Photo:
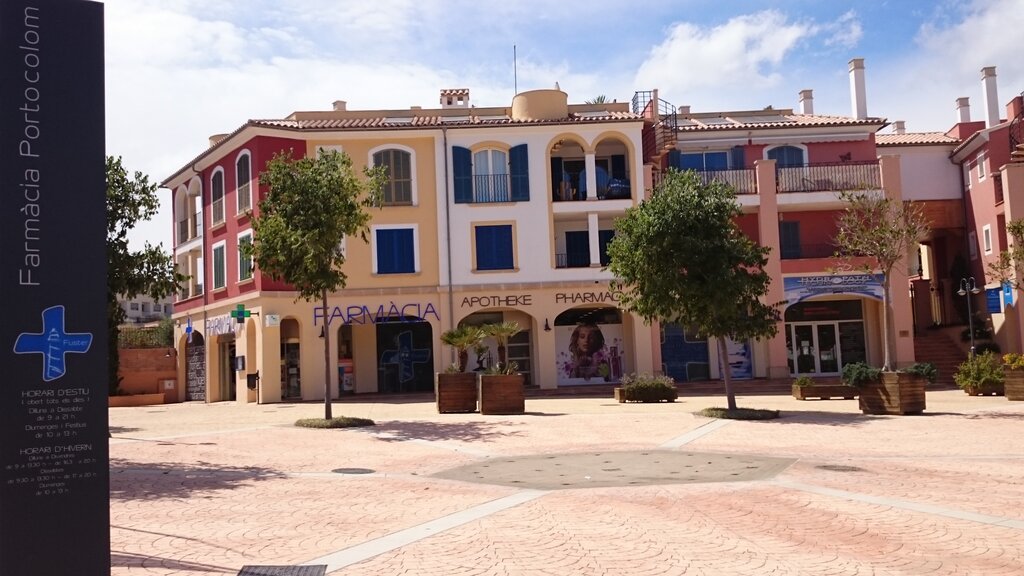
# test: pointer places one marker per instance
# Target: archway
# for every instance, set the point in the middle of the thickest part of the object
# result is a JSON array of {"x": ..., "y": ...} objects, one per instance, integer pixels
[{"x": 195, "y": 367}]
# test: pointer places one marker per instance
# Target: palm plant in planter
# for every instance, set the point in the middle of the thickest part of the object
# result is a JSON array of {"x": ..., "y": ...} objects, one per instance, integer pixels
[
  {"x": 502, "y": 386},
  {"x": 1013, "y": 376},
  {"x": 881, "y": 231},
  {"x": 456, "y": 390}
]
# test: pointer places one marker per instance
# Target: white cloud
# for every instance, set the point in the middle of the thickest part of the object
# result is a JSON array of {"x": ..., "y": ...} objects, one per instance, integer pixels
[{"x": 845, "y": 32}]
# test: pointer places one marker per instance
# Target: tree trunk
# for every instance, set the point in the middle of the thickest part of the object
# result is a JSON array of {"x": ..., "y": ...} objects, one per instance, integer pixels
[
  {"x": 886, "y": 328},
  {"x": 327, "y": 360},
  {"x": 463, "y": 360},
  {"x": 501, "y": 355},
  {"x": 723, "y": 361}
]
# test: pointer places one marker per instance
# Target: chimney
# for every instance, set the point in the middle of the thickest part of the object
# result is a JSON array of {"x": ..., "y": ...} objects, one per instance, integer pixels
[
  {"x": 963, "y": 109},
  {"x": 684, "y": 110},
  {"x": 858, "y": 94},
  {"x": 807, "y": 102},
  {"x": 339, "y": 105},
  {"x": 899, "y": 127},
  {"x": 988, "y": 91},
  {"x": 216, "y": 138},
  {"x": 455, "y": 98}
]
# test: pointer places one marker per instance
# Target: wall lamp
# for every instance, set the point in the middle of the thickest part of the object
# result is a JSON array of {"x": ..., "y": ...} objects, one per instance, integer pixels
[{"x": 547, "y": 327}]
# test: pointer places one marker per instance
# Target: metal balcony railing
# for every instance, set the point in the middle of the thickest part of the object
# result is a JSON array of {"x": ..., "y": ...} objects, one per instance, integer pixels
[
  {"x": 659, "y": 133},
  {"x": 491, "y": 188},
  {"x": 575, "y": 260},
  {"x": 797, "y": 252},
  {"x": 834, "y": 177},
  {"x": 743, "y": 181},
  {"x": 183, "y": 231}
]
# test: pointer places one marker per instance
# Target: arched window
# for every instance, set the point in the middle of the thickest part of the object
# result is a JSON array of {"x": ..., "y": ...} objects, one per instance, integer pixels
[
  {"x": 398, "y": 189},
  {"x": 490, "y": 176},
  {"x": 243, "y": 175},
  {"x": 217, "y": 196},
  {"x": 787, "y": 156}
]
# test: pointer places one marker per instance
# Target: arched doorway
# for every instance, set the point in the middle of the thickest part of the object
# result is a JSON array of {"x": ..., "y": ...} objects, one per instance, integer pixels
[
  {"x": 590, "y": 344},
  {"x": 195, "y": 367},
  {"x": 520, "y": 346},
  {"x": 404, "y": 355}
]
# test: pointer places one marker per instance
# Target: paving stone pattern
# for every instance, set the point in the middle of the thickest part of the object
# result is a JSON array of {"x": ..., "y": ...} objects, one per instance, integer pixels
[{"x": 208, "y": 489}]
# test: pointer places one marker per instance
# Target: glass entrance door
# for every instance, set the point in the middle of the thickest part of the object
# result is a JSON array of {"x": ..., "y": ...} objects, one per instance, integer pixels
[{"x": 812, "y": 348}]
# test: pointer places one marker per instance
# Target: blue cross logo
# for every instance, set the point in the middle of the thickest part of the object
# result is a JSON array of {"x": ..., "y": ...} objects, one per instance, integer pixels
[
  {"x": 405, "y": 356},
  {"x": 188, "y": 330},
  {"x": 53, "y": 343}
]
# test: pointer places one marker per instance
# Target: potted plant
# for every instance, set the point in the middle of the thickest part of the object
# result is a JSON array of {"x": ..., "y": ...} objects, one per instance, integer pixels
[
  {"x": 456, "y": 389},
  {"x": 980, "y": 375},
  {"x": 875, "y": 234},
  {"x": 502, "y": 390},
  {"x": 646, "y": 388},
  {"x": 502, "y": 332},
  {"x": 805, "y": 387},
  {"x": 1013, "y": 376}
]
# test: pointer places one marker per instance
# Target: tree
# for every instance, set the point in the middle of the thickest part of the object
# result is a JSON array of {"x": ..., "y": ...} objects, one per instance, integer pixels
[
  {"x": 599, "y": 99},
  {"x": 1009, "y": 267},
  {"x": 502, "y": 332},
  {"x": 312, "y": 205},
  {"x": 130, "y": 273},
  {"x": 884, "y": 231},
  {"x": 462, "y": 339},
  {"x": 679, "y": 257}
]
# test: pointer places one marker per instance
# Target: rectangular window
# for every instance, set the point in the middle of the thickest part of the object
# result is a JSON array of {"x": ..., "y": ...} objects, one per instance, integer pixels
[
  {"x": 145, "y": 307},
  {"x": 981, "y": 166},
  {"x": 394, "y": 250},
  {"x": 220, "y": 272},
  {"x": 134, "y": 305},
  {"x": 972, "y": 245},
  {"x": 577, "y": 249},
  {"x": 967, "y": 174},
  {"x": 789, "y": 240},
  {"x": 217, "y": 196},
  {"x": 703, "y": 161},
  {"x": 494, "y": 249},
  {"x": 986, "y": 238},
  {"x": 244, "y": 262},
  {"x": 604, "y": 237},
  {"x": 398, "y": 188}
]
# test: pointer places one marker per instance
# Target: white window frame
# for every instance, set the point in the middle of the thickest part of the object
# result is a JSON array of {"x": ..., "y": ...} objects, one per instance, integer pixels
[
  {"x": 213, "y": 203},
  {"x": 972, "y": 244},
  {"x": 412, "y": 167},
  {"x": 986, "y": 238},
  {"x": 967, "y": 174},
  {"x": 238, "y": 249},
  {"x": 222, "y": 245},
  {"x": 239, "y": 194},
  {"x": 415, "y": 244},
  {"x": 764, "y": 153},
  {"x": 981, "y": 166}
]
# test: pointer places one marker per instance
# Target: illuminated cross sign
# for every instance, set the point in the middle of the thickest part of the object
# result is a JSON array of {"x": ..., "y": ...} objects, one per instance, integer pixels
[
  {"x": 188, "y": 330},
  {"x": 240, "y": 313}
]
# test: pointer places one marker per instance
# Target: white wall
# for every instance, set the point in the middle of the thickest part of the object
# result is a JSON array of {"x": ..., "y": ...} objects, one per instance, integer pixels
[{"x": 926, "y": 172}]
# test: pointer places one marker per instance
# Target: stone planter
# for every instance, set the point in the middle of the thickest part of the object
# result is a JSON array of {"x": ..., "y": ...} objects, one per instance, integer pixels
[
  {"x": 894, "y": 393},
  {"x": 455, "y": 392},
  {"x": 1013, "y": 384},
  {"x": 824, "y": 391},
  {"x": 502, "y": 394},
  {"x": 988, "y": 390},
  {"x": 620, "y": 394}
]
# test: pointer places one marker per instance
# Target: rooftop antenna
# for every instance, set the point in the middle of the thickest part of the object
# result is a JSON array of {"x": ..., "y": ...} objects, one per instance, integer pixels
[{"x": 515, "y": 72}]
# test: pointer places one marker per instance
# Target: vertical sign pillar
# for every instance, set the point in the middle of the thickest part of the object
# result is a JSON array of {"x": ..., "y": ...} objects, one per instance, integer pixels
[{"x": 54, "y": 454}]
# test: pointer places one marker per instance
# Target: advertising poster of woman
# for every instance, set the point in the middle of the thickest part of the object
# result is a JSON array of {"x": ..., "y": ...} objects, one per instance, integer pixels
[{"x": 589, "y": 352}]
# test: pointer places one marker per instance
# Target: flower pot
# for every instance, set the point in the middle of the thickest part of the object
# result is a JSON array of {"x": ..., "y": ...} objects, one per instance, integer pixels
[
  {"x": 894, "y": 393},
  {"x": 502, "y": 394},
  {"x": 824, "y": 391},
  {"x": 455, "y": 392},
  {"x": 1013, "y": 384}
]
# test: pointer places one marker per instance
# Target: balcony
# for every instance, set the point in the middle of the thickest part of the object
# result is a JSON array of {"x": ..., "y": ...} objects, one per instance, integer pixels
[
  {"x": 742, "y": 181},
  {"x": 831, "y": 177},
  {"x": 491, "y": 188},
  {"x": 573, "y": 260},
  {"x": 190, "y": 228},
  {"x": 611, "y": 189},
  {"x": 799, "y": 251}
]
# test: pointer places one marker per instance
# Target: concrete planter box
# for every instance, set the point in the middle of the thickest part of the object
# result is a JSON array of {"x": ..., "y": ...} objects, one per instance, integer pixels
[
  {"x": 1013, "y": 384},
  {"x": 455, "y": 392},
  {"x": 895, "y": 393},
  {"x": 824, "y": 391},
  {"x": 135, "y": 400},
  {"x": 502, "y": 394}
]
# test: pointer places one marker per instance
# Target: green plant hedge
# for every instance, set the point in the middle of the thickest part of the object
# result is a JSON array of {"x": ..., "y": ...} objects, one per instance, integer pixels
[
  {"x": 645, "y": 388},
  {"x": 859, "y": 374},
  {"x": 979, "y": 371}
]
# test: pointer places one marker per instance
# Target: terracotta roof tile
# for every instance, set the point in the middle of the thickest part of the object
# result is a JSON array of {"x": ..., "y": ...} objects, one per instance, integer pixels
[
  {"x": 915, "y": 139},
  {"x": 767, "y": 119}
]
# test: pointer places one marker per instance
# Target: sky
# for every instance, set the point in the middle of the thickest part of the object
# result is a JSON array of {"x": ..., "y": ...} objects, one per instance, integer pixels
[{"x": 178, "y": 71}]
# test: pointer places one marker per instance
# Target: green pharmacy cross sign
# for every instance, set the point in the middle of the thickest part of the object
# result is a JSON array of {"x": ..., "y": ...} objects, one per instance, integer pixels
[{"x": 240, "y": 313}]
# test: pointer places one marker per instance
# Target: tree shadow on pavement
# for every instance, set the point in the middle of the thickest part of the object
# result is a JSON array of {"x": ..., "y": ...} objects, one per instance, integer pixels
[
  {"x": 139, "y": 561},
  {"x": 822, "y": 418},
  {"x": 153, "y": 480},
  {"x": 995, "y": 416},
  {"x": 402, "y": 431}
]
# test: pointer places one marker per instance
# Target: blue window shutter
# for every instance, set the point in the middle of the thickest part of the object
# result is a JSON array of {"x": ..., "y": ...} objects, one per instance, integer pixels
[
  {"x": 674, "y": 159},
  {"x": 691, "y": 162},
  {"x": 716, "y": 161},
  {"x": 462, "y": 169},
  {"x": 385, "y": 260},
  {"x": 603, "y": 238},
  {"x": 786, "y": 156},
  {"x": 789, "y": 240},
  {"x": 494, "y": 248},
  {"x": 619, "y": 166},
  {"x": 556, "y": 177},
  {"x": 519, "y": 169},
  {"x": 405, "y": 248},
  {"x": 395, "y": 251},
  {"x": 738, "y": 160}
]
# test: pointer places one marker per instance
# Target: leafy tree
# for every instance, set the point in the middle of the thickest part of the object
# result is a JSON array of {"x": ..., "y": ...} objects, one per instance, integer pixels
[
  {"x": 680, "y": 257},
  {"x": 462, "y": 339},
  {"x": 149, "y": 271},
  {"x": 312, "y": 205},
  {"x": 599, "y": 99},
  {"x": 1009, "y": 267},
  {"x": 884, "y": 231}
]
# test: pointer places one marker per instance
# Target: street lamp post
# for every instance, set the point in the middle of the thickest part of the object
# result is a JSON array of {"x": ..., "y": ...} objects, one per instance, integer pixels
[{"x": 968, "y": 287}]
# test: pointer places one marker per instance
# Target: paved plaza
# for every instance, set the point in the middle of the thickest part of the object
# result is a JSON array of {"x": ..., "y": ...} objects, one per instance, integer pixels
[{"x": 575, "y": 486}]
